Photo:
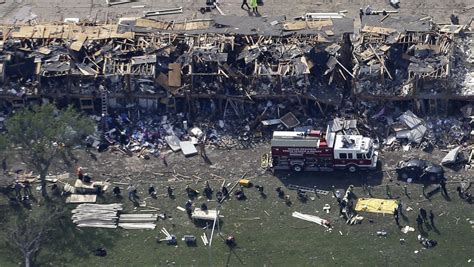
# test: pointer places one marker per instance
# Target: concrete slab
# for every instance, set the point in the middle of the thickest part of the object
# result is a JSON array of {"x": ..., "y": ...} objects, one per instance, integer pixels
[{"x": 188, "y": 148}]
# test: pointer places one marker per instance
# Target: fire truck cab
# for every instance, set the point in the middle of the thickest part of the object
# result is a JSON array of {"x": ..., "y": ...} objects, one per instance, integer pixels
[{"x": 314, "y": 151}]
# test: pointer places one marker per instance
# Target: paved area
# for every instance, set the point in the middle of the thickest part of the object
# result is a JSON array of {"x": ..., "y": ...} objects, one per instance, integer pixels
[{"x": 56, "y": 10}]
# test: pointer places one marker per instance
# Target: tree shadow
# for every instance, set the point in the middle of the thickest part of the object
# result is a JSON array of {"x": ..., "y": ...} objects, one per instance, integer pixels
[{"x": 81, "y": 241}]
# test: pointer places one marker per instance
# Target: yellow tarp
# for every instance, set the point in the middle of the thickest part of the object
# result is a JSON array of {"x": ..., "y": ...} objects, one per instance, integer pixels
[{"x": 376, "y": 205}]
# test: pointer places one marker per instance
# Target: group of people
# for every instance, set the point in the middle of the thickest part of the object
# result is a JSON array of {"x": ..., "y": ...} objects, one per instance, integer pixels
[
  {"x": 423, "y": 217},
  {"x": 133, "y": 192},
  {"x": 253, "y": 5},
  {"x": 25, "y": 187}
]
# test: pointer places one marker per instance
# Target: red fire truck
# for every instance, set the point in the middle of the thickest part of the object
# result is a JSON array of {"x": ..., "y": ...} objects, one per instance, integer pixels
[{"x": 314, "y": 151}]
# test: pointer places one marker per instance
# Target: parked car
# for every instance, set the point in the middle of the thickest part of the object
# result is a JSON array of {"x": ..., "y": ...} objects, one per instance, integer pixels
[{"x": 421, "y": 170}]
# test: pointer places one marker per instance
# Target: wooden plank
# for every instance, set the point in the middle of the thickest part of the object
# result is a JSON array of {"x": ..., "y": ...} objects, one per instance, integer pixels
[
  {"x": 77, "y": 198},
  {"x": 148, "y": 23},
  {"x": 294, "y": 25},
  {"x": 80, "y": 39},
  {"x": 378, "y": 30},
  {"x": 174, "y": 75},
  {"x": 319, "y": 24}
]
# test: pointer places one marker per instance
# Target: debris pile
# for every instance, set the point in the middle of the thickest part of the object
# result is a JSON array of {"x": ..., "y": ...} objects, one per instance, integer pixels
[
  {"x": 399, "y": 56},
  {"x": 463, "y": 69}
]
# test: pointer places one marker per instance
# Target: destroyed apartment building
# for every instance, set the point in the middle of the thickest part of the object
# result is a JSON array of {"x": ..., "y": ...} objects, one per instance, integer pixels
[
  {"x": 159, "y": 63},
  {"x": 401, "y": 58}
]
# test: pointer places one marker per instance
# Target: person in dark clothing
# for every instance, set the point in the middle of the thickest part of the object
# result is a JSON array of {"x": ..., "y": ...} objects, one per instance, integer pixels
[
  {"x": 400, "y": 208},
  {"x": 225, "y": 191},
  {"x": 55, "y": 190},
  {"x": 423, "y": 214},
  {"x": 442, "y": 183},
  {"x": 244, "y": 3},
  {"x": 459, "y": 191},
  {"x": 203, "y": 206},
  {"x": 341, "y": 208},
  {"x": 86, "y": 178},
  {"x": 18, "y": 188},
  {"x": 280, "y": 192},
  {"x": 208, "y": 190},
  {"x": 361, "y": 14},
  {"x": 152, "y": 191},
  {"x": 219, "y": 196},
  {"x": 395, "y": 216},
  {"x": 189, "y": 207},
  {"x": 301, "y": 195},
  {"x": 169, "y": 189},
  {"x": 117, "y": 192},
  {"x": 4, "y": 165},
  {"x": 431, "y": 217},
  {"x": 191, "y": 192},
  {"x": 100, "y": 252},
  {"x": 239, "y": 194},
  {"x": 419, "y": 223},
  {"x": 132, "y": 193},
  {"x": 163, "y": 159},
  {"x": 27, "y": 188}
]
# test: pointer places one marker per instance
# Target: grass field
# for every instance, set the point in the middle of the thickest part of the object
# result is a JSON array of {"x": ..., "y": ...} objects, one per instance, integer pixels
[{"x": 267, "y": 235}]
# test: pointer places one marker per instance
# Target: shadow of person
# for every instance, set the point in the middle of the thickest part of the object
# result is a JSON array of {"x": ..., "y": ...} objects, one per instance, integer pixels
[
  {"x": 231, "y": 251},
  {"x": 404, "y": 217},
  {"x": 446, "y": 197},
  {"x": 436, "y": 229},
  {"x": 428, "y": 226},
  {"x": 207, "y": 160}
]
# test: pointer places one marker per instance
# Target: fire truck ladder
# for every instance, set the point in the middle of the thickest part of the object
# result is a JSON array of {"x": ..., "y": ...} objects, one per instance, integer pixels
[
  {"x": 307, "y": 189},
  {"x": 104, "y": 102}
]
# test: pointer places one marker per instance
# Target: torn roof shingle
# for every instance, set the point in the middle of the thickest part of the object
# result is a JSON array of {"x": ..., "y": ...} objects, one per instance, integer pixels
[
  {"x": 398, "y": 22},
  {"x": 263, "y": 26}
]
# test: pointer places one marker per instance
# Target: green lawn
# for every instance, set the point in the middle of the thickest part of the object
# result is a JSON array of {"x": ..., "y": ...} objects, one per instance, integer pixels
[{"x": 276, "y": 239}]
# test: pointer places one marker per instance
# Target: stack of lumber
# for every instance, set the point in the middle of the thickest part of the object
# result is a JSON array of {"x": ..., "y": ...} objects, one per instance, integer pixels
[
  {"x": 138, "y": 221},
  {"x": 311, "y": 218},
  {"x": 96, "y": 215}
]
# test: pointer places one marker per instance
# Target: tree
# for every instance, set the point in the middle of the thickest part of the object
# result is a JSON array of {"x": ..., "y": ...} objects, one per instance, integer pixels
[
  {"x": 41, "y": 133},
  {"x": 29, "y": 230}
]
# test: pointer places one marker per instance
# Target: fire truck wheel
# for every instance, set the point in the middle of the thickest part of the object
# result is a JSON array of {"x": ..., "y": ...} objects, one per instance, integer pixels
[
  {"x": 352, "y": 168},
  {"x": 297, "y": 168}
]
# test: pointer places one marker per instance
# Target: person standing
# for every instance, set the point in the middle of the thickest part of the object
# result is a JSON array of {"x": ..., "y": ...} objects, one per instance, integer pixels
[
  {"x": 244, "y": 3},
  {"x": 395, "y": 216},
  {"x": 254, "y": 5},
  {"x": 4, "y": 165},
  {"x": 18, "y": 186},
  {"x": 132, "y": 193},
  {"x": 79, "y": 173},
  {"x": 27, "y": 188},
  {"x": 202, "y": 149}
]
